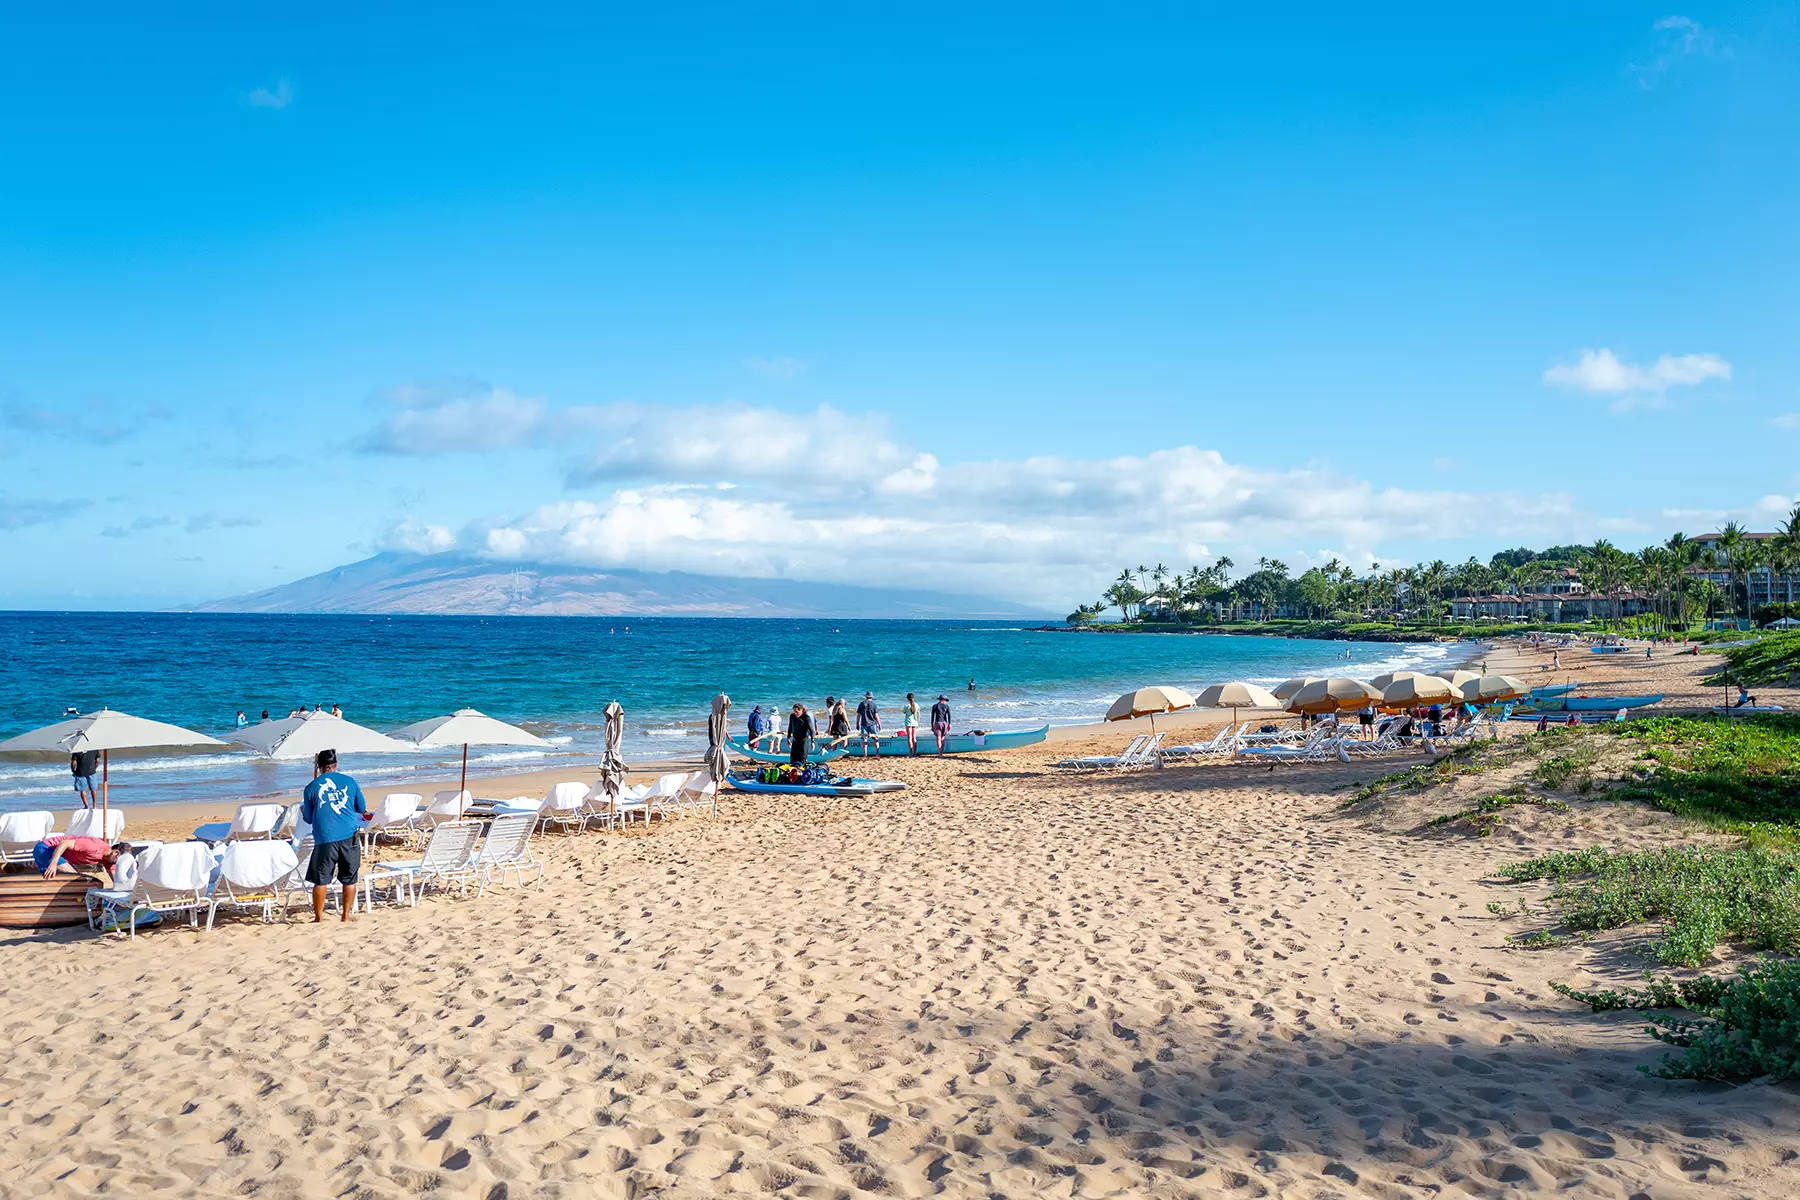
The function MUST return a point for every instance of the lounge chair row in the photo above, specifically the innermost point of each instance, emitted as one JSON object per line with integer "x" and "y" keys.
{"x": 258, "y": 875}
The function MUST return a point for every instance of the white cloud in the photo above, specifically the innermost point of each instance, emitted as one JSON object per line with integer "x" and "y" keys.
{"x": 415, "y": 537}
{"x": 1603, "y": 372}
{"x": 279, "y": 97}
{"x": 776, "y": 368}
{"x": 17, "y": 512}
{"x": 1786, "y": 421}
{"x": 1678, "y": 37}
{"x": 429, "y": 423}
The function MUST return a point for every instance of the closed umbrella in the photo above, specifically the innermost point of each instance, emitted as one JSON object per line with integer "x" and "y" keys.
{"x": 1417, "y": 689}
{"x": 303, "y": 737}
{"x": 612, "y": 761}
{"x": 1235, "y": 696}
{"x": 1494, "y": 689}
{"x": 106, "y": 731}
{"x": 716, "y": 762}
{"x": 1333, "y": 695}
{"x": 465, "y": 727}
{"x": 1286, "y": 690}
{"x": 1147, "y": 702}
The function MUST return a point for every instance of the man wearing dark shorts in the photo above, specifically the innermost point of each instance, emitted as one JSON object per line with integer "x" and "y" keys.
{"x": 333, "y": 805}
{"x": 82, "y": 765}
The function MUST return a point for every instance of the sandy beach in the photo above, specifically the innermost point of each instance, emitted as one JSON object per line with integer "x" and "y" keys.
{"x": 1206, "y": 980}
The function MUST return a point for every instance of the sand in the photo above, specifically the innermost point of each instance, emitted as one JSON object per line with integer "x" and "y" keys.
{"x": 1200, "y": 981}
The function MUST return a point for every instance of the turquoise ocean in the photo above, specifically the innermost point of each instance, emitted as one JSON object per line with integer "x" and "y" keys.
{"x": 554, "y": 675}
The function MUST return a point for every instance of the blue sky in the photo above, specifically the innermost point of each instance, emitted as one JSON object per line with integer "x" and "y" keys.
{"x": 994, "y": 300}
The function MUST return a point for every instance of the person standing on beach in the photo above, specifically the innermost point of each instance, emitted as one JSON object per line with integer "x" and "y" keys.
{"x": 910, "y": 722}
{"x": 800, "y": 733}
{"x": 868, "y": 722}
{"x": 333, "y": 805}
{"x": 837, "y": 722}
{"x": 940, "y": 721}
{"x": 756, "y": 726}
{"x": 82, "y": 765}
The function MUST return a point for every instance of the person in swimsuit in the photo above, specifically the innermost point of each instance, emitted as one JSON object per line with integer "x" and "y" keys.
{"x": 910, "y": 723}
{"x": 838, "y": 729}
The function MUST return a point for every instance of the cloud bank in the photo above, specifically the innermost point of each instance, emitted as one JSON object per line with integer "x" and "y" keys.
{"x": 738, "y": 490}
{"x": 1603, "y": 373}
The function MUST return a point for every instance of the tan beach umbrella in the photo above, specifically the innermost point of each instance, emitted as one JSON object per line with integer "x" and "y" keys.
{"x": 1235, "y": 696}
{"x": 465, "y": 727}
{"x": 1381, "y": 681}
{"x": 1457, "y": 678}
{"x": 1417, "y": 689}
{"x": 1286, "y": 689}
{"x": 105, "y": 731}
{"x": 303, "y": 737}
{"x": 1494, "y": 689}
{"x": 1333, "y": 695}
{"x": 1147, "y": 702}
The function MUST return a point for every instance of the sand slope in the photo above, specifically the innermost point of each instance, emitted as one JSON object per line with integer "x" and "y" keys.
{"x": 1204, "y": 981}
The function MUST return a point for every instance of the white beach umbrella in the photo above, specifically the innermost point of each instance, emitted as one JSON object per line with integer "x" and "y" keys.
{"x": 465, "y": 727}
{"x": 303, "y": 737}
{"x": 105, "y": 731}
{"x": 1235, "y": 696}
{"x": 1147, "y": 702}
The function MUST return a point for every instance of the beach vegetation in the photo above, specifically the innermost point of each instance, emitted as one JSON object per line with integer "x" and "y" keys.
{"x": 1485, "y": 816}
{"x": 1770, "y": 660}
{"x": 1745, "y": 1026}
{"x": 1702, "y": 895}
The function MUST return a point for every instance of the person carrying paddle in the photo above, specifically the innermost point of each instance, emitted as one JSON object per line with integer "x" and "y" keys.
{"x": 333, "y": 805}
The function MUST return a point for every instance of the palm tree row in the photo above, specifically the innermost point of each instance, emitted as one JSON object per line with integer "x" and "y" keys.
{"x": 1668, "y": 582}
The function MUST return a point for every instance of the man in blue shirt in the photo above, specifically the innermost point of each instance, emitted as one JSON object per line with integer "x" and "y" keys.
{"x": 333, "y": 805}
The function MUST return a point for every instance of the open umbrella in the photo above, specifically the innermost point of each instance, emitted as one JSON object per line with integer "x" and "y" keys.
{"x": 1333, "y": 695}
{"x": 716, "y": 762}
{"x": 1235, "y": 696}
{"x": 1147, "y": 702}
{"x": 1417, "y": 689}
{"x": 1494, "y": 689}
{"x": 106, "y": 731}
{"x": 465, "y": 727}
{"x": 1381, "y": 681}
{"x": 303, "y": 737}
{"x": 1286, "y": 689}
{"x": 1458, "y": 677}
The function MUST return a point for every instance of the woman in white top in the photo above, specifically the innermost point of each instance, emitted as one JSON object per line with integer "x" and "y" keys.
{"x": 911, "y": 724}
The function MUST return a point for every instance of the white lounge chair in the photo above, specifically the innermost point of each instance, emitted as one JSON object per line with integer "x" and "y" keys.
{"x": 507, "y": 847}
{"x": 562, "y": 806}
{"x": 172, "y": 877}
{"x": 449, "y": 855}
{"x": 94, "y": 822}
{"x": 1101, "y": 762}
{"x": 393, "y": 813}
{"x": 253, "y": 876}
{"x": 1314, "y": 750}
{"x": 1220, "y": 743}
{"x": 699, "y": 791}
{"x": 251, "y": 821}
{"x": 664, "y": 794}
{"x": 1147, "y": 753}
{"x": 445, "y": 806}
{"x": 611, "y": 813}
{"x": 20, "y": 832}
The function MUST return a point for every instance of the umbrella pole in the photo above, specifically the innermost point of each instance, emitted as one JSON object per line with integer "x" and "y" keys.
{"x": 464, "y": 786}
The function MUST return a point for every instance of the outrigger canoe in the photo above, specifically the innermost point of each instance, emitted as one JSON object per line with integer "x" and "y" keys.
{"x": 891, "y": 745}
{"x": 739, "y": 747}
{"x": 837, "y": 787}
{"x": 1592, "y": 703}
{"x": 1555, "y": 689}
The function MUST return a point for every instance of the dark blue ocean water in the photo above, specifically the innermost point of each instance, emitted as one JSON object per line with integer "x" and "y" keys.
{"x": 554, "y": 675}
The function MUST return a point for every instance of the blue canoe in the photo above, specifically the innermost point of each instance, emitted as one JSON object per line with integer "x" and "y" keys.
{"x": 837, "y": 787}
{"x": 1555, "y": 689}
{"x": 739, "y": 747}
{"x": 1606, "y": 649}
{"x": 891, "y": 745}
{"x": 1592, "y": 703}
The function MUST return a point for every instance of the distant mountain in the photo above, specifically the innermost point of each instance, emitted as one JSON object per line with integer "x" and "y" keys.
{"x": 457, "y": 584}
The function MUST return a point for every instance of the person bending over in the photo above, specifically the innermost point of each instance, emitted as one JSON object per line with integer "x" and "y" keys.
{"x": 333, "y": 805}
{"x": 64, "y": 854}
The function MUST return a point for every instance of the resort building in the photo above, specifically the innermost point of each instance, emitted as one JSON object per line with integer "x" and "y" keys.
{"x": 1764, "y": 585}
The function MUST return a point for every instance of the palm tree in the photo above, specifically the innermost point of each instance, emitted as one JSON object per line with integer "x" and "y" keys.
{"x": 1730, "y": 543}
{"x": 1754, "y": 557}
{"x": 1788, "y": 540}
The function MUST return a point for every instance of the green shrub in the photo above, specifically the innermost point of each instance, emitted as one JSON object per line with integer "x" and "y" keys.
{"x": 1741, "y": 773}
{"x": 1770, "y": 659}
{"x": 1751, "y": 1030}
{"x": 1702, "y": 895}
